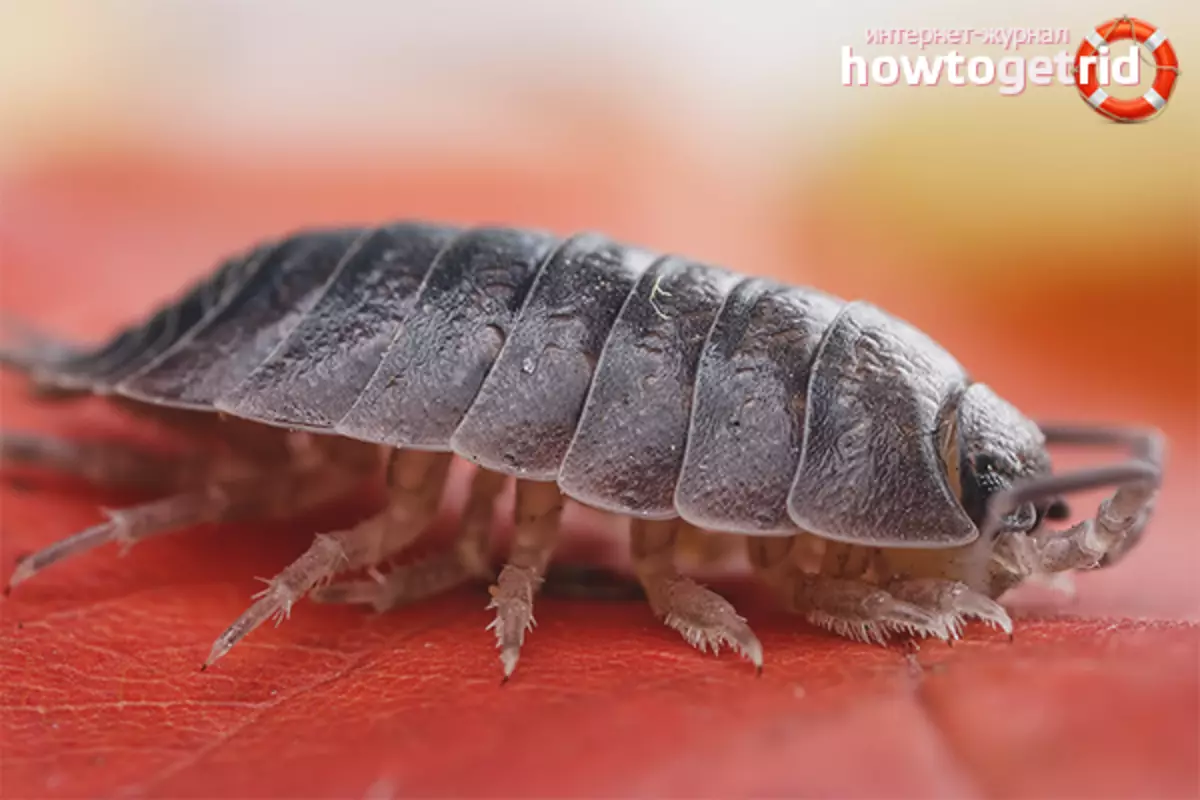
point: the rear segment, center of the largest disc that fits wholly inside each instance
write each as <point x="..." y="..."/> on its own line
<point x="224" y="348"/>
<point x="99" y="369"/>
<point x="313" y="378"/>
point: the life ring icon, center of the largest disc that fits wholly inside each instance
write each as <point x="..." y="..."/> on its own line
<point x="1166" y="70"/>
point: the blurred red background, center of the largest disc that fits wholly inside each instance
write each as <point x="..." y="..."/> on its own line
<point x="1053" y="252"/>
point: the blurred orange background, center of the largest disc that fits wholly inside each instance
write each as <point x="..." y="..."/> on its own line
<point x="1054" y="252"/>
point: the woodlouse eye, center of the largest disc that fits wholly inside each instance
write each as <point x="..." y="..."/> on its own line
<point x="985" y="463"/>
<point x="987" y="476"/>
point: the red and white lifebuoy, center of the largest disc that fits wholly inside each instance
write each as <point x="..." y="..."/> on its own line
<point x="1166" y="69"/>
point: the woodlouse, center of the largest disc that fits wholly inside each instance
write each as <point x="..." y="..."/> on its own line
<point x="878" y="488"/>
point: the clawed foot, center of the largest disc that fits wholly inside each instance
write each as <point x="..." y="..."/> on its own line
<point x="926" y="608"/>
<point x="321" y="561"/>
<point x="705" y="619"/>
<point x="952" y="603"/>
<point x="512" y="597"/>
<point x="125" y="527"/>
<point x="865" y="613"/>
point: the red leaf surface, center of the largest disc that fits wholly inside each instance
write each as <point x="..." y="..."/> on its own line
<point x="101" y="695"/>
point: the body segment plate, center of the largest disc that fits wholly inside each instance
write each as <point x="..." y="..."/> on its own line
<point x="448" y="343"/>
<point x="525" y="415"/>
<point x="314" y="377"/>
<point x="870" y="471"/>
<point x="629" y="444"/>
<point x="226" y="347"/>
<point x="748" y="413"/>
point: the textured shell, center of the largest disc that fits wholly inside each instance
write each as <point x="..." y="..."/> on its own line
<point x="650" y="386"/>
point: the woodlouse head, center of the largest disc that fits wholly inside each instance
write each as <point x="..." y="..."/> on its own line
<point x="997" y="447"/>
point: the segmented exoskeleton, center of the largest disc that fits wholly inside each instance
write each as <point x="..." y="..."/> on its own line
<point x="878" y="487"/>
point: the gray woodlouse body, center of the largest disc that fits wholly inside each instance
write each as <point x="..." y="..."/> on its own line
<point x="879" y="489"/>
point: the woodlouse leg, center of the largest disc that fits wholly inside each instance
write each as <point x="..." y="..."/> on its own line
<point x="702" y="617"/>
<point x="1091" y="544"/>
<point x="416" y="480"/>
<point x="1094" y="543"/>
<point x="697" y="547"/>
<point x="851" y="608"/>
<point x="1118" y="524"/>
<point x="128" y="526"/>
<point x="1102" y="540"/>
<point x="841" y="560"/>
<point x="105" y="464"/>
<point x="439" y="572"/>
<point x="539" y="508"/>
<point x="268" y="494"/>
<point x="952" y="602"/>
<point x="859" y="610"/>
<point x="1016" y="559"/>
